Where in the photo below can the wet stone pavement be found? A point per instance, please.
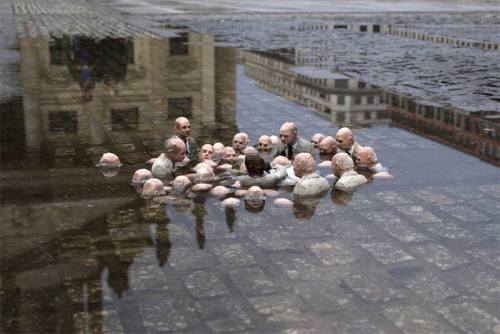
(83, 253)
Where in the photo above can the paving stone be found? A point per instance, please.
(430, 288)
(431, 196)
(225, 315)
(463, 192)
(484, 285)
(375, 288)
(333, 253)
(490, 206)
(64, 151)
(273, 240)
(298, 266)
(361, 202)
(414, 319)
(279, 308)
(186, 258)
(469, 317)
(233, 255)
(151, 277)
(362, 326)
(449, 230)
(492, 230)
(325, 297)
(492, 189)
(418, 214)
(252, 281)
(162, 313)
(392, 198)
(464, 213)
(351, 230)
(490, 256)
(303, 231)
(394, 226)
(440, 256)
(387, 253)
(205, 283)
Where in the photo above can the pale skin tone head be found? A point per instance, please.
(327, 146)
(240, 141)
(206, 152)
(265, 143)
(175, 150)
(344, 139)
(229, 154)
(280, 161)
(249, 150)
(218, 147)
(182, 127)
(141, 176)
(109, 160)
(316, 139)
(365, 157)
(341, 162)
(288, 133)
(303, 164)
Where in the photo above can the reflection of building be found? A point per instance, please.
(83, 97)
(477, 133)
(334, 96)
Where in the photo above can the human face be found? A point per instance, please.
(183, 128)
(179, 155)
(229, 154)
(363, 160)
(326, 149)
(264, 145)
(315, 140)
(344, 142)
(207, 152)
(288, 136)
(239, 143)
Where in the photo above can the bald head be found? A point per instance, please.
(206, 152)
(288, 133)
(366, 157)
(180, 185)
(327, 146)
(182, 127)
(240, 141)
(303, 164)
(265, 143)
(344, 139)
(341, 163)
(109, 160)
(229, 154)
(316, 139)
(175, 149)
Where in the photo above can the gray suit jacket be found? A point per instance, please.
(303, 146)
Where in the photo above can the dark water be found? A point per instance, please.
(82, 253)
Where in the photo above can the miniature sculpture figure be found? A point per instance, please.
(292, 144)
(343, 168)
(175, 151)
(310, 183)
(366, 159)
(316, 139)
(346, 142)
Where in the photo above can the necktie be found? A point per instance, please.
(290, 152)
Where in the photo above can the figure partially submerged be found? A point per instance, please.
(343, 168)
(109, 164)
(310, 184)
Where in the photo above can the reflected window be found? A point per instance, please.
(122, 119)
(180, 106)
(178, 45)
(327, 111)
(63, 122)
(340, 99)
(381, 114)
(341, 83)
(357, 99)
(361, 84)
(340, 26)
(376, 28)
(370, 99)
(363, 28)
(60, 51)
(340, 117)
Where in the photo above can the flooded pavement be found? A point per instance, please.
(81, 252)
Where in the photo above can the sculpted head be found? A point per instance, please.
(327, 146)
(288, 133)
(275, 140)
(140, 177)
(218, 148)
(255, 165)
(109, 160)
(303, 164)
(265, 143)
(366, 158)
(249, 150)
(229, 154)
(182, 127)
(316, 139)
(240, 141)
(344, 139)
(180, 185)
(153, 187)
(175, 149)
(254, 199)
(206, 152)
(280, 161)
(341, 163)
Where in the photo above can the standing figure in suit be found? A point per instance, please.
(292, 144)
(346, 142)
(182, 130)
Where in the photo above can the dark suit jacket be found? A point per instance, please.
(303, 146)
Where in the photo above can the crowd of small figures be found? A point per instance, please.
(252, 173)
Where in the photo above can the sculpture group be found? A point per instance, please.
(253, 173)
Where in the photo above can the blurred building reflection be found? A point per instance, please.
(476, 133)
(344, 101)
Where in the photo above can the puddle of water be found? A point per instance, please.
(81, 252)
